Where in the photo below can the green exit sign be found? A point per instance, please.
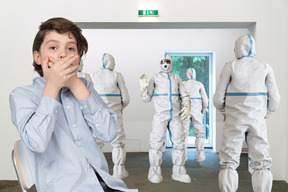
(153, 13)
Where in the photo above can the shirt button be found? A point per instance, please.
(52, 130)
(81, 107)
(93, 178)
(68, 107)
(74, 125)
(56, 111)
(79, 144)
(85, 106)
(97, 124)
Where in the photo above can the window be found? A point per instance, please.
(203, 63)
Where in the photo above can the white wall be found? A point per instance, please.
(19, 25)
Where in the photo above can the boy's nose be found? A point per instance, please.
(62, 54)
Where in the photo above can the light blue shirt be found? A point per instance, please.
(59, 136)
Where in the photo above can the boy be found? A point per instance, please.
(246, 93)
(58, 116)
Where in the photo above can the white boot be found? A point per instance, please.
(228, 180)
(179, 174)
(200, 156)
(154, 175)
(120, 172)
(119, 158)
(262, 180)
(199, 145)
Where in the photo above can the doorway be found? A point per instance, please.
(203, 62)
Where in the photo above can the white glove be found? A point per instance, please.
(143, 81)
(185, 110)
(268, 114)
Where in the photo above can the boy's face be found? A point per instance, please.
(56, 46)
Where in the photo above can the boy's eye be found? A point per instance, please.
(52, 47)
(71, 49)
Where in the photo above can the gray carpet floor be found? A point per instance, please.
(204, 175)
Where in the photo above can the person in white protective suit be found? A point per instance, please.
(111, 87)
(82, 74)
(199, 103)
(167, 91)
(246, 94)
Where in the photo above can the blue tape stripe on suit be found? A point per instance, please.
(166, 94)
(110, 95)
(195, 98)
(247, 94)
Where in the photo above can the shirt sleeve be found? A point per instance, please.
(219, 96)
(34, 120)
(101, 119)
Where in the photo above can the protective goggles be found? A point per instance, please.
(168, 61)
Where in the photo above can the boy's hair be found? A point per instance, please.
(60, 25)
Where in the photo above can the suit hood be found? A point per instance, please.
(108, 61)
(191, 74)
(245, 47)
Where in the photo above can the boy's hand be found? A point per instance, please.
(67, 74)
(59, 73)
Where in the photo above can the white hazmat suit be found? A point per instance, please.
(82, 74)
(167, 91)
(111, 87)
(199, 102)
(246, 93)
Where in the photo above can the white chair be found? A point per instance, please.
(21, 166)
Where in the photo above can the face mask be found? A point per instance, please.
(165, 65)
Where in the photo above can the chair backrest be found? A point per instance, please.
(21, 166)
